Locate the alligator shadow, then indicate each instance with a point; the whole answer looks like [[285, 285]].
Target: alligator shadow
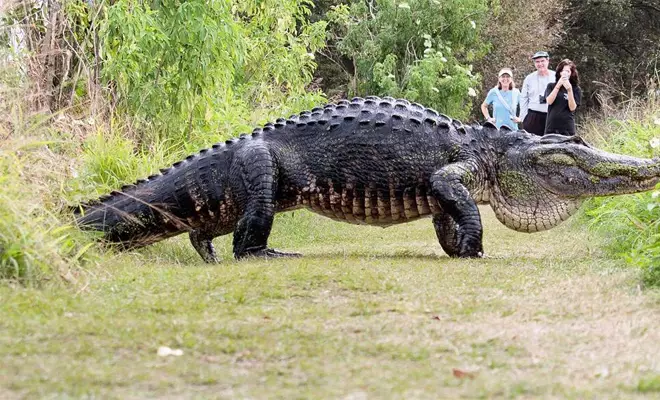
[[402, 255]]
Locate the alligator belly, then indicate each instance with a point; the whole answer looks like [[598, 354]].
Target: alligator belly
[[367, 205]]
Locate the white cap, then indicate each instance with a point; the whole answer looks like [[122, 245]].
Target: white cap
[[505, 71]]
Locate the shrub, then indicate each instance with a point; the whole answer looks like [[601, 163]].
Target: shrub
[[419, 49], [195, 72], [616, 45]]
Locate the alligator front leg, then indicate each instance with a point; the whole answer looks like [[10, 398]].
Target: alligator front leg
[[445, 230], [257, 172], [448, 186]]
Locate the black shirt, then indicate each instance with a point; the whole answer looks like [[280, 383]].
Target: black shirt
[[560, 118]]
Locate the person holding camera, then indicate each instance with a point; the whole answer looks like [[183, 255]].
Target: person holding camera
[[505, 99], [533, 108], [563, 98]]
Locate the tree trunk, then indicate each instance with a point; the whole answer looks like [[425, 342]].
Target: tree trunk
[[47, 58]]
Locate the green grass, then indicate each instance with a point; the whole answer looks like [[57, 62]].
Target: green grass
[[36, 247], [367, 313], [631, 224]]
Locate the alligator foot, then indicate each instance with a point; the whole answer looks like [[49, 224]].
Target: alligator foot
[[470, 255], [266, 253]]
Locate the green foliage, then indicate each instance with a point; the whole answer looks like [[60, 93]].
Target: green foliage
[[649, 384], [171, 59], [35, 246], [631, 224], [110, 160], [421, 50], [195, 71], [181, 75]]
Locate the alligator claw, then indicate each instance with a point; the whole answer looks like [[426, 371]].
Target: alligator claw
[[272, 253], [268, 253]]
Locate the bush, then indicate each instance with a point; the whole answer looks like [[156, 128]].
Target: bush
[[180, 75], [194, 72], [421, 50], [616, 45]]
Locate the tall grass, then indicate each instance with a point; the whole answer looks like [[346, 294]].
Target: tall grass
[[36, 245], [630, 225]]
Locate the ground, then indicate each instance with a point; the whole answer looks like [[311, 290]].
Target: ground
[[368, 313]]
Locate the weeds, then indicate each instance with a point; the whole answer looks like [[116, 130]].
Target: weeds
[[35, 245], [630, 225]]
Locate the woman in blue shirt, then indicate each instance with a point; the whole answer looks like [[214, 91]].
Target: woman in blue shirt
[[505, 99]]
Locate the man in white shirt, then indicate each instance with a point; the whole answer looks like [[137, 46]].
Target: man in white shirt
[[533, 107]]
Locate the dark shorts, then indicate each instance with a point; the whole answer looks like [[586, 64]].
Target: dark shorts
[[535, 122]]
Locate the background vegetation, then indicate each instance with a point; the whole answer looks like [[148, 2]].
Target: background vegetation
[[95, 94], [420, 49], [616, 43], [109, 92], [630, 224]]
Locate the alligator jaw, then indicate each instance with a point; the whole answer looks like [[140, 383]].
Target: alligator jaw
[[536, 187], [580, 171], [621, 175]]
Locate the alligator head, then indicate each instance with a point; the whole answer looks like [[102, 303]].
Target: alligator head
[[539, 182]]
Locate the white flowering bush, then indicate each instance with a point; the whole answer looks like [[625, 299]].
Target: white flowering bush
[[417, 49]]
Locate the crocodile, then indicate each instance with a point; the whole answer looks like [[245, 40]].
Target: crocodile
[[374, 161]]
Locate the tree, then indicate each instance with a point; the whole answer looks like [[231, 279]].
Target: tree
[[615, 44]]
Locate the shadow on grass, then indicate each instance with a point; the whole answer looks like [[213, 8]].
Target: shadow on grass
[[192, 259]]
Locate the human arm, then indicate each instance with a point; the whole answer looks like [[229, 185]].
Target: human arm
[[572, 105], [484, 111], [516, 103], [573, 95], [524, 99], [484, 107], [552, 90], [577, 96]]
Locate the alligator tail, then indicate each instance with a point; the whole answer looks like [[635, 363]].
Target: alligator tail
[[130, 218], [164, 205]]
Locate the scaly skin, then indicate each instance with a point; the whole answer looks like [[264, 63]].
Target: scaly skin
[[374, 161]]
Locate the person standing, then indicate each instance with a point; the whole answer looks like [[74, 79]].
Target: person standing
[[533, 108], [563, 99], [505, 99]]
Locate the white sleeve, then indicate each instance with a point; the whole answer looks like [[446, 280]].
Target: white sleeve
[[524, 99]]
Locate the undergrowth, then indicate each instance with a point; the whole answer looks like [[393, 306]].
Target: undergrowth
[[36, 245], [630, 225]]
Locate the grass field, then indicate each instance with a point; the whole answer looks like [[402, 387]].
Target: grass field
[[368, 313]]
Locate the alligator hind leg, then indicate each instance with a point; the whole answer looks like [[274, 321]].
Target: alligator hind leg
[[445, 230], [254, 164], [203, 243]]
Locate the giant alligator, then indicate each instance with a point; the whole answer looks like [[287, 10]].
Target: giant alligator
[[375, 161]]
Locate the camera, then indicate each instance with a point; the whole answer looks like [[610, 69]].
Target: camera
[[542, 99]]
